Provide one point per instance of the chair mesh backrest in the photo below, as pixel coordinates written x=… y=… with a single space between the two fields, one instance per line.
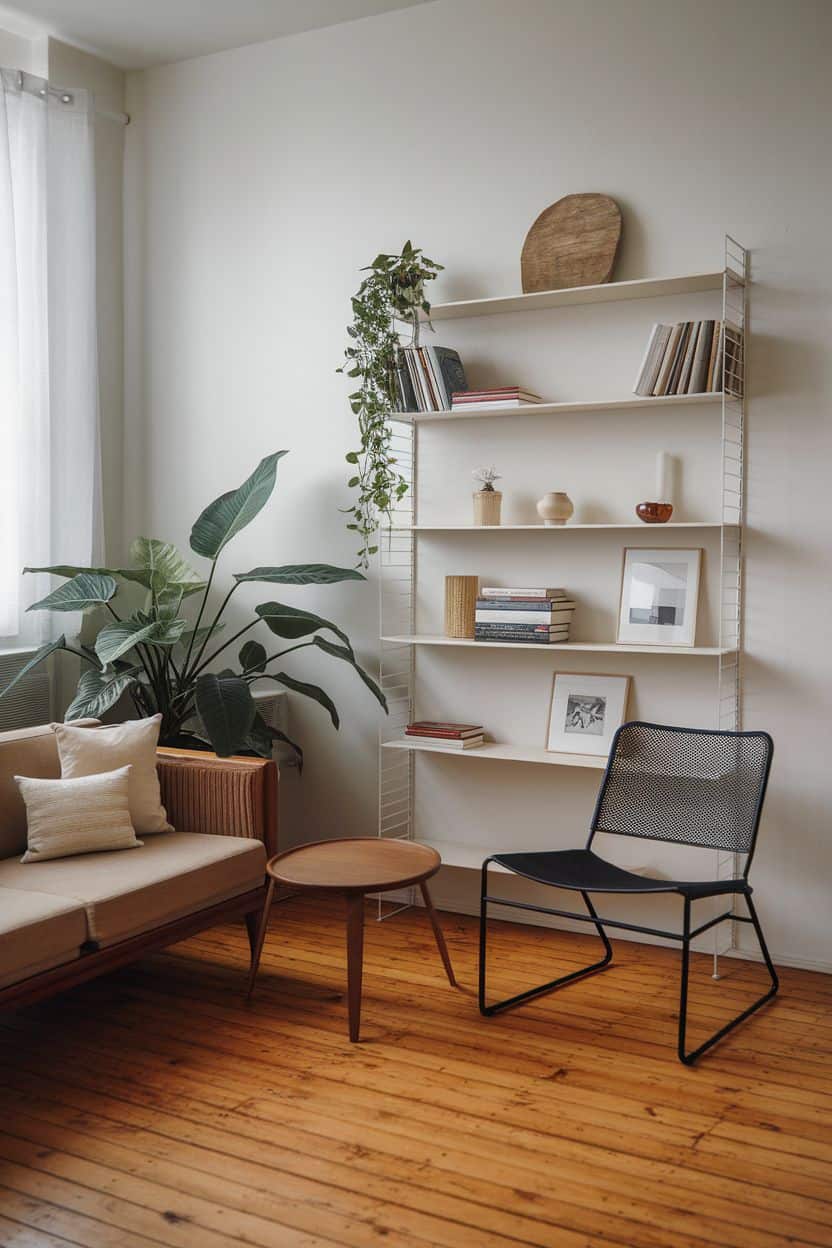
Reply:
x=685 y=785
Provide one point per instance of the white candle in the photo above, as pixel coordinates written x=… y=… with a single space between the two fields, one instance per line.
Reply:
x=664 y=474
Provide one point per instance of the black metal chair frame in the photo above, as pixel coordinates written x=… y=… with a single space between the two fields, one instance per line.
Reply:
x=687 y=934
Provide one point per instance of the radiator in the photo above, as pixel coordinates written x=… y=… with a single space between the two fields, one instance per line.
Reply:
x=30 y=702
x=274 y=707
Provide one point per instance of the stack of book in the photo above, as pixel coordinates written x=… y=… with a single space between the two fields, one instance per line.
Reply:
x=446 y=736
x=427 y=377
x=535 y=615
x=497 y=396
x=688 y=359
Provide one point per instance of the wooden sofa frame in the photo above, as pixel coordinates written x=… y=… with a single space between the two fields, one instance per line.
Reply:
x=201 y=793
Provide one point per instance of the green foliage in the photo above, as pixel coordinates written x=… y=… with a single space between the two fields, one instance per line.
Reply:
x=158 y=656
x=392 y=291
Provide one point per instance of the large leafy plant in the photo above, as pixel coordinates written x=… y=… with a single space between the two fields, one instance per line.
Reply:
x=161 y=658
x=394 y=290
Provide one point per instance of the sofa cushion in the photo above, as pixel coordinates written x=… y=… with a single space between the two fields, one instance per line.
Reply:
x=84 y=816
x=37 y=931
x=169 y=876
x=133 y=744
x=24 y=752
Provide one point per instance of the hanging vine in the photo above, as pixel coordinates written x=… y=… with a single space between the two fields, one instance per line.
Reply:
x=393 y=290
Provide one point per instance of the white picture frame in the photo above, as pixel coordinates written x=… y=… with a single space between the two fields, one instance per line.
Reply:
x=659 y=596
x=584 y=712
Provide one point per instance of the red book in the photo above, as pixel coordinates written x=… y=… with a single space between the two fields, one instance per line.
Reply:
x=441 y=728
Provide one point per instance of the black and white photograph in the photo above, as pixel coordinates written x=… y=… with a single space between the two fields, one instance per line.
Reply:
x=585 y=711
x=585 y=714
x=659 y=595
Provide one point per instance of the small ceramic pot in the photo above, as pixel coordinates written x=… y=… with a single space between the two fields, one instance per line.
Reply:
x=555 y=508
x=654 y=513
x=487 y=504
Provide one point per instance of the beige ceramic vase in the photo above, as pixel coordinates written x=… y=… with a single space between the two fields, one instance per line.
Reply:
x=555 y=508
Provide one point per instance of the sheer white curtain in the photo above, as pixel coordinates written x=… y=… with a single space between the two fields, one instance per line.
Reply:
x=50 y=488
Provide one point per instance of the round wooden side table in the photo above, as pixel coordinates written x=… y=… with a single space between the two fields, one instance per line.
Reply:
x=354 y=867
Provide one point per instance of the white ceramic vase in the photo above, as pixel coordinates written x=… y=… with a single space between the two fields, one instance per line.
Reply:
x=555 y=508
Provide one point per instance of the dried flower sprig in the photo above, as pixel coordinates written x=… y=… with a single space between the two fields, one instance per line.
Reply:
x=487 y=477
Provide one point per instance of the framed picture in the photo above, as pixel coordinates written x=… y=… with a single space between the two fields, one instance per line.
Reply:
x=659 y=597
x=585 y=711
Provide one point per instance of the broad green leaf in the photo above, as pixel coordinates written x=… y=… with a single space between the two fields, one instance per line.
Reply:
x=116 y=639
x=227 y=710
x=292 y=622
x=300 y=574
x=85 y=590
x=160 y=568
x=342 y=652
x=231 y=512
x=66 y=569
x=252 y=657
x=262 y=735
x=97 y=692
x=310 y=691
x=38 y=657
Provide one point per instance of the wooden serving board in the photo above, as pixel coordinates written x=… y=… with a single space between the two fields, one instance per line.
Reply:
x=572 y=243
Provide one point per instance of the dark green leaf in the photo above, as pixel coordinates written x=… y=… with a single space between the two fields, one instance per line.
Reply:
x=300 y=574
x=227 y=711
x=292 y=623
x=351 y=458
x=262 y=735
x=38 y=657
x=98 y=691
x=252 y=657
x=231 y=512
x=310 y=691
x=85 y=590
x=341 y=652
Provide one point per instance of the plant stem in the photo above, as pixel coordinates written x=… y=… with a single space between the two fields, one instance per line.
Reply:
x=185 y=672
x=215 y=622
x=193 y=674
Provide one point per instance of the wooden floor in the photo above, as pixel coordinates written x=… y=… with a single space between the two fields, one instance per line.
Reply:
x=153 y=1107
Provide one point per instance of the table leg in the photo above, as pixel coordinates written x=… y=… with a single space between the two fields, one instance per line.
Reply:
x=437 y=931
x=355 y=959
x=261 y=936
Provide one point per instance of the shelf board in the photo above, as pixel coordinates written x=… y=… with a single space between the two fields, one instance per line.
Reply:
x=561 y=528
x=608 y=292
x=457 y=854
x=437 y=639
x=496 y=750
x=556 y=409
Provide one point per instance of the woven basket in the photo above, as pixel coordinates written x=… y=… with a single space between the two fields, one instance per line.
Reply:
x=460 y=605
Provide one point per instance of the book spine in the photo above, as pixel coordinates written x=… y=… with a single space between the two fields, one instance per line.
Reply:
x=511 y=619
x=510 y=608
x=660 y=387
x=499 y=591
x=451 y=736
x=687 y=364
x=528 y=638
x=699 y=369
x=519 y=626
x=439 y=377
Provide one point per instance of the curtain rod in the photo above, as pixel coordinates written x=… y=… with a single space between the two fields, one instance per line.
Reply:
x=66 y=97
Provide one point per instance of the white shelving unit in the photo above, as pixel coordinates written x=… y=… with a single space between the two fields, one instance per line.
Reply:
x=398 y=552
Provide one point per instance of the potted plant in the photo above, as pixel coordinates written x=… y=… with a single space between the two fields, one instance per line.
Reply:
x=162 y=659
x=487 y=500
x=393 y=290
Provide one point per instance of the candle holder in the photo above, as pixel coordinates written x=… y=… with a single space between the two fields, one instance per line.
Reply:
x=654 y=513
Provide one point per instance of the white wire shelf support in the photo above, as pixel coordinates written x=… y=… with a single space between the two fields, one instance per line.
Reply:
x=735 y=282
x=397 y=592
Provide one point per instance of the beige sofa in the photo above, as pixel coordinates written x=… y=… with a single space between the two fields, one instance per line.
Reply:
x=67 y=920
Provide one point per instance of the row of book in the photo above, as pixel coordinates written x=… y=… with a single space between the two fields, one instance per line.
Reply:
x=537 y=615
x=446 y=736
x=495 y=397
x=428 y=377
x=688 y=358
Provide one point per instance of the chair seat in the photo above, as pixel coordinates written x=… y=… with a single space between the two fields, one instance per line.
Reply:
x=584 y=871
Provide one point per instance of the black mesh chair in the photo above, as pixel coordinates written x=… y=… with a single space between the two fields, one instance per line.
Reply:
x=686 y=785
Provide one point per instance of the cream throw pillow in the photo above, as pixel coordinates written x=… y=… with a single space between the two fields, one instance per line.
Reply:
x=83 y=816
x=89 y=751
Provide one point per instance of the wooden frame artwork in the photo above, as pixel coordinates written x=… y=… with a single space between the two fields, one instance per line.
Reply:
x=585 y=709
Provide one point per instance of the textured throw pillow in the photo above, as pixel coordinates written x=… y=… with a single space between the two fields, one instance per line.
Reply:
x=89 y=751
x=83 y=816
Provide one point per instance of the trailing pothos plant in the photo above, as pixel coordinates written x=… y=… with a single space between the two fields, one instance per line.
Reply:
x=161 y=658
x=394 y=290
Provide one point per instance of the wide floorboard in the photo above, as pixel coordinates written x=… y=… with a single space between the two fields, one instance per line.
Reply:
x=154 y=1107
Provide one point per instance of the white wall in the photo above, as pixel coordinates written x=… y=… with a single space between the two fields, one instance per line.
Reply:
x=260 y=180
